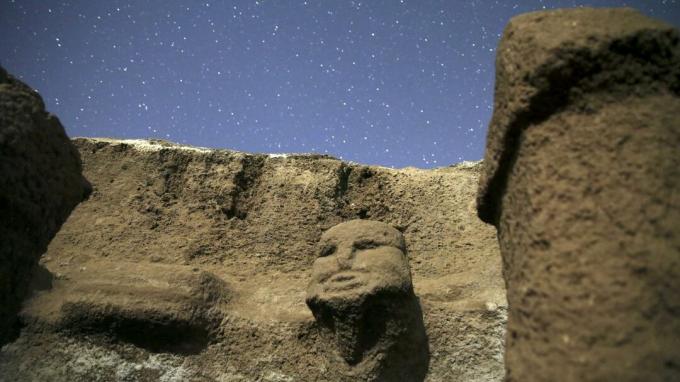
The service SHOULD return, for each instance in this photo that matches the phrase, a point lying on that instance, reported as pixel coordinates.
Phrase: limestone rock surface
(40, 183)
(581, 177)
(223, 243)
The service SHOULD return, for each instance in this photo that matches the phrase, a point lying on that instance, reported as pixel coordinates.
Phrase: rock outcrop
(581, 177)
(130, 260)
(41, 183)
(158, 307)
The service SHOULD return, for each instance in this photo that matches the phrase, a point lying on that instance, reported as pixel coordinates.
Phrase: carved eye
(327, 250)
(366, 244)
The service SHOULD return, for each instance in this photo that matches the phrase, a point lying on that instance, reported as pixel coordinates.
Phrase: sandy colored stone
(361, 295)
(581, 178)
(254, 222)
(547, 59)
(157, 307)
(40, 183)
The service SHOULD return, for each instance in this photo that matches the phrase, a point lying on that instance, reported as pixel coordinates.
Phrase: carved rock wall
(40, 183)
(581, 178)
(119, 272)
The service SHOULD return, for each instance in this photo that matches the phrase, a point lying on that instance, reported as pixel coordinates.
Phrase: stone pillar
(582, 180)
(40, 183)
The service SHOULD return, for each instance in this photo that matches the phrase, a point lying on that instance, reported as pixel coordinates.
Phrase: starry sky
(390, 82)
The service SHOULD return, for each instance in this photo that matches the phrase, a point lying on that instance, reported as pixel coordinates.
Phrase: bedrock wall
(582, 180)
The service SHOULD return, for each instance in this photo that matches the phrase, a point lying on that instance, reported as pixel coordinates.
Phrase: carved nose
(345, 257)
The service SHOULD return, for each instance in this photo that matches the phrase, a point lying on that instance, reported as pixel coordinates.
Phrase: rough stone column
(40, 183)
(582, 180)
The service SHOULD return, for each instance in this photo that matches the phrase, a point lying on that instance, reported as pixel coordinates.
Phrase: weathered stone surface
(253, 221)
(41, 183)
(581, 177)
(174, 309)
(362, 296)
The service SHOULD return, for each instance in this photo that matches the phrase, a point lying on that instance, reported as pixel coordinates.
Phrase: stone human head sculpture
(361, 294)
(357, 259)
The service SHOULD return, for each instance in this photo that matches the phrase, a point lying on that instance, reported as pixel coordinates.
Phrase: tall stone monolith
(40, 183)
(582, 180)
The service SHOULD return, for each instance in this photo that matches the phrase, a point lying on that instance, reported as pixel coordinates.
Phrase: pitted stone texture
(546, 62)
(362, 297)
(358, 258)
(253, 221)
(581, 176)
(41, 183)
(161, 308)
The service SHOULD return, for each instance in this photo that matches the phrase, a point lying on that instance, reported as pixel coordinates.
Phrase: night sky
(396, 83)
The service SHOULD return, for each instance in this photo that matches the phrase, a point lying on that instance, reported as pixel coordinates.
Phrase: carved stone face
(359, 258)
(361, 296)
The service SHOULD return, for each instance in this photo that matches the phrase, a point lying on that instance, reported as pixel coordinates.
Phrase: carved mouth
(344, 281)
(341, 277)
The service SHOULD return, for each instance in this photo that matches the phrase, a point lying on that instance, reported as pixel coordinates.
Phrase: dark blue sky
(395, 83)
